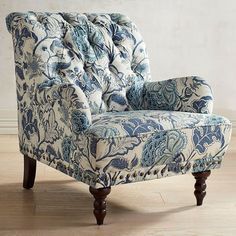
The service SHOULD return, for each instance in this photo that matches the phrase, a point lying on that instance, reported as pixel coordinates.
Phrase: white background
(183, 37)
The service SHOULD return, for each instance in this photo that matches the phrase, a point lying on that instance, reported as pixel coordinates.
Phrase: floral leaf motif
(63, 109)
(35, 65)
(117, 99)
(120, 34)
(162, 147)
(79, 35)
(96, 40)
(81, 79)
(21, 36)
(104, 130)
(120, 146)
(201, 104)
(119, 163)
(52, 154)
(135, 95)
(163, 96)
(30, 125)
(58, 66)
(93, 146)
(135, 126)
(205, 136)
(57, 43)
(51, 128)
(66, 148)
(79, 121)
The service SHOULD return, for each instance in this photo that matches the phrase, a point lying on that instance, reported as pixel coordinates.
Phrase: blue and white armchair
(87, 107)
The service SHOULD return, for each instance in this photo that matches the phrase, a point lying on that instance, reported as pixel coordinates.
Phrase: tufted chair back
(103, 54)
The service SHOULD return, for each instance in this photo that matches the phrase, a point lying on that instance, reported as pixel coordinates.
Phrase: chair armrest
(75, 99)
(187, 94)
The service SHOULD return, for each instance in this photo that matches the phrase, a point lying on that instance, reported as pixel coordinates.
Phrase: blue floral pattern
(87, 107)
(79, 121)
(162, 147)
(179, 94)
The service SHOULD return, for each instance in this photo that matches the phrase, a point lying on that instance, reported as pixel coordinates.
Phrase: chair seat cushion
(138, 123)
(139, 145)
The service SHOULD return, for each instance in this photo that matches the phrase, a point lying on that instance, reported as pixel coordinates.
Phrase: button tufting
(83, 39)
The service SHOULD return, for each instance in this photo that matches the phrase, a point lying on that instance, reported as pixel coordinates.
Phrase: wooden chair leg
(200, 185)
(29, 172)
(100, 195)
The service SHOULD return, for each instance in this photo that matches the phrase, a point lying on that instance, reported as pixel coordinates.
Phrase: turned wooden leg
(200, 185)
(29, 172)
(99, 203)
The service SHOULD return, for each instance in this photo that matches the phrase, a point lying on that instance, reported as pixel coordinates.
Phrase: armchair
(87, 107)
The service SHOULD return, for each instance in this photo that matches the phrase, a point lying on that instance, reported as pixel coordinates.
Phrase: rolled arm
(75, 99)
(186, 94)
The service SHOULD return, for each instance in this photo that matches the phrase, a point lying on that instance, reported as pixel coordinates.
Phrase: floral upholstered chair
(87, 107)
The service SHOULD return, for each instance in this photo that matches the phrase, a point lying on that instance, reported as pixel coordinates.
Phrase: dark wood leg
(100, 195)
(29, 172)
(200, 186)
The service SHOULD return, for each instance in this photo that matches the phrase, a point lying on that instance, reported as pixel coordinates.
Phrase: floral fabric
(189, 94)
(86, 105)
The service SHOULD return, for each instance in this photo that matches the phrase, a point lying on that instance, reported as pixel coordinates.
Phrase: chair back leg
(29, 172)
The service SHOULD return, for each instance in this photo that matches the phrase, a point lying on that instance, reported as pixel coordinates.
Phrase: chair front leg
(100, 195)
(200, 185)
(29, 172)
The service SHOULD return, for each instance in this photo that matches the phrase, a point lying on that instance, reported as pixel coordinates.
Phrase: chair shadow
(57, 204)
